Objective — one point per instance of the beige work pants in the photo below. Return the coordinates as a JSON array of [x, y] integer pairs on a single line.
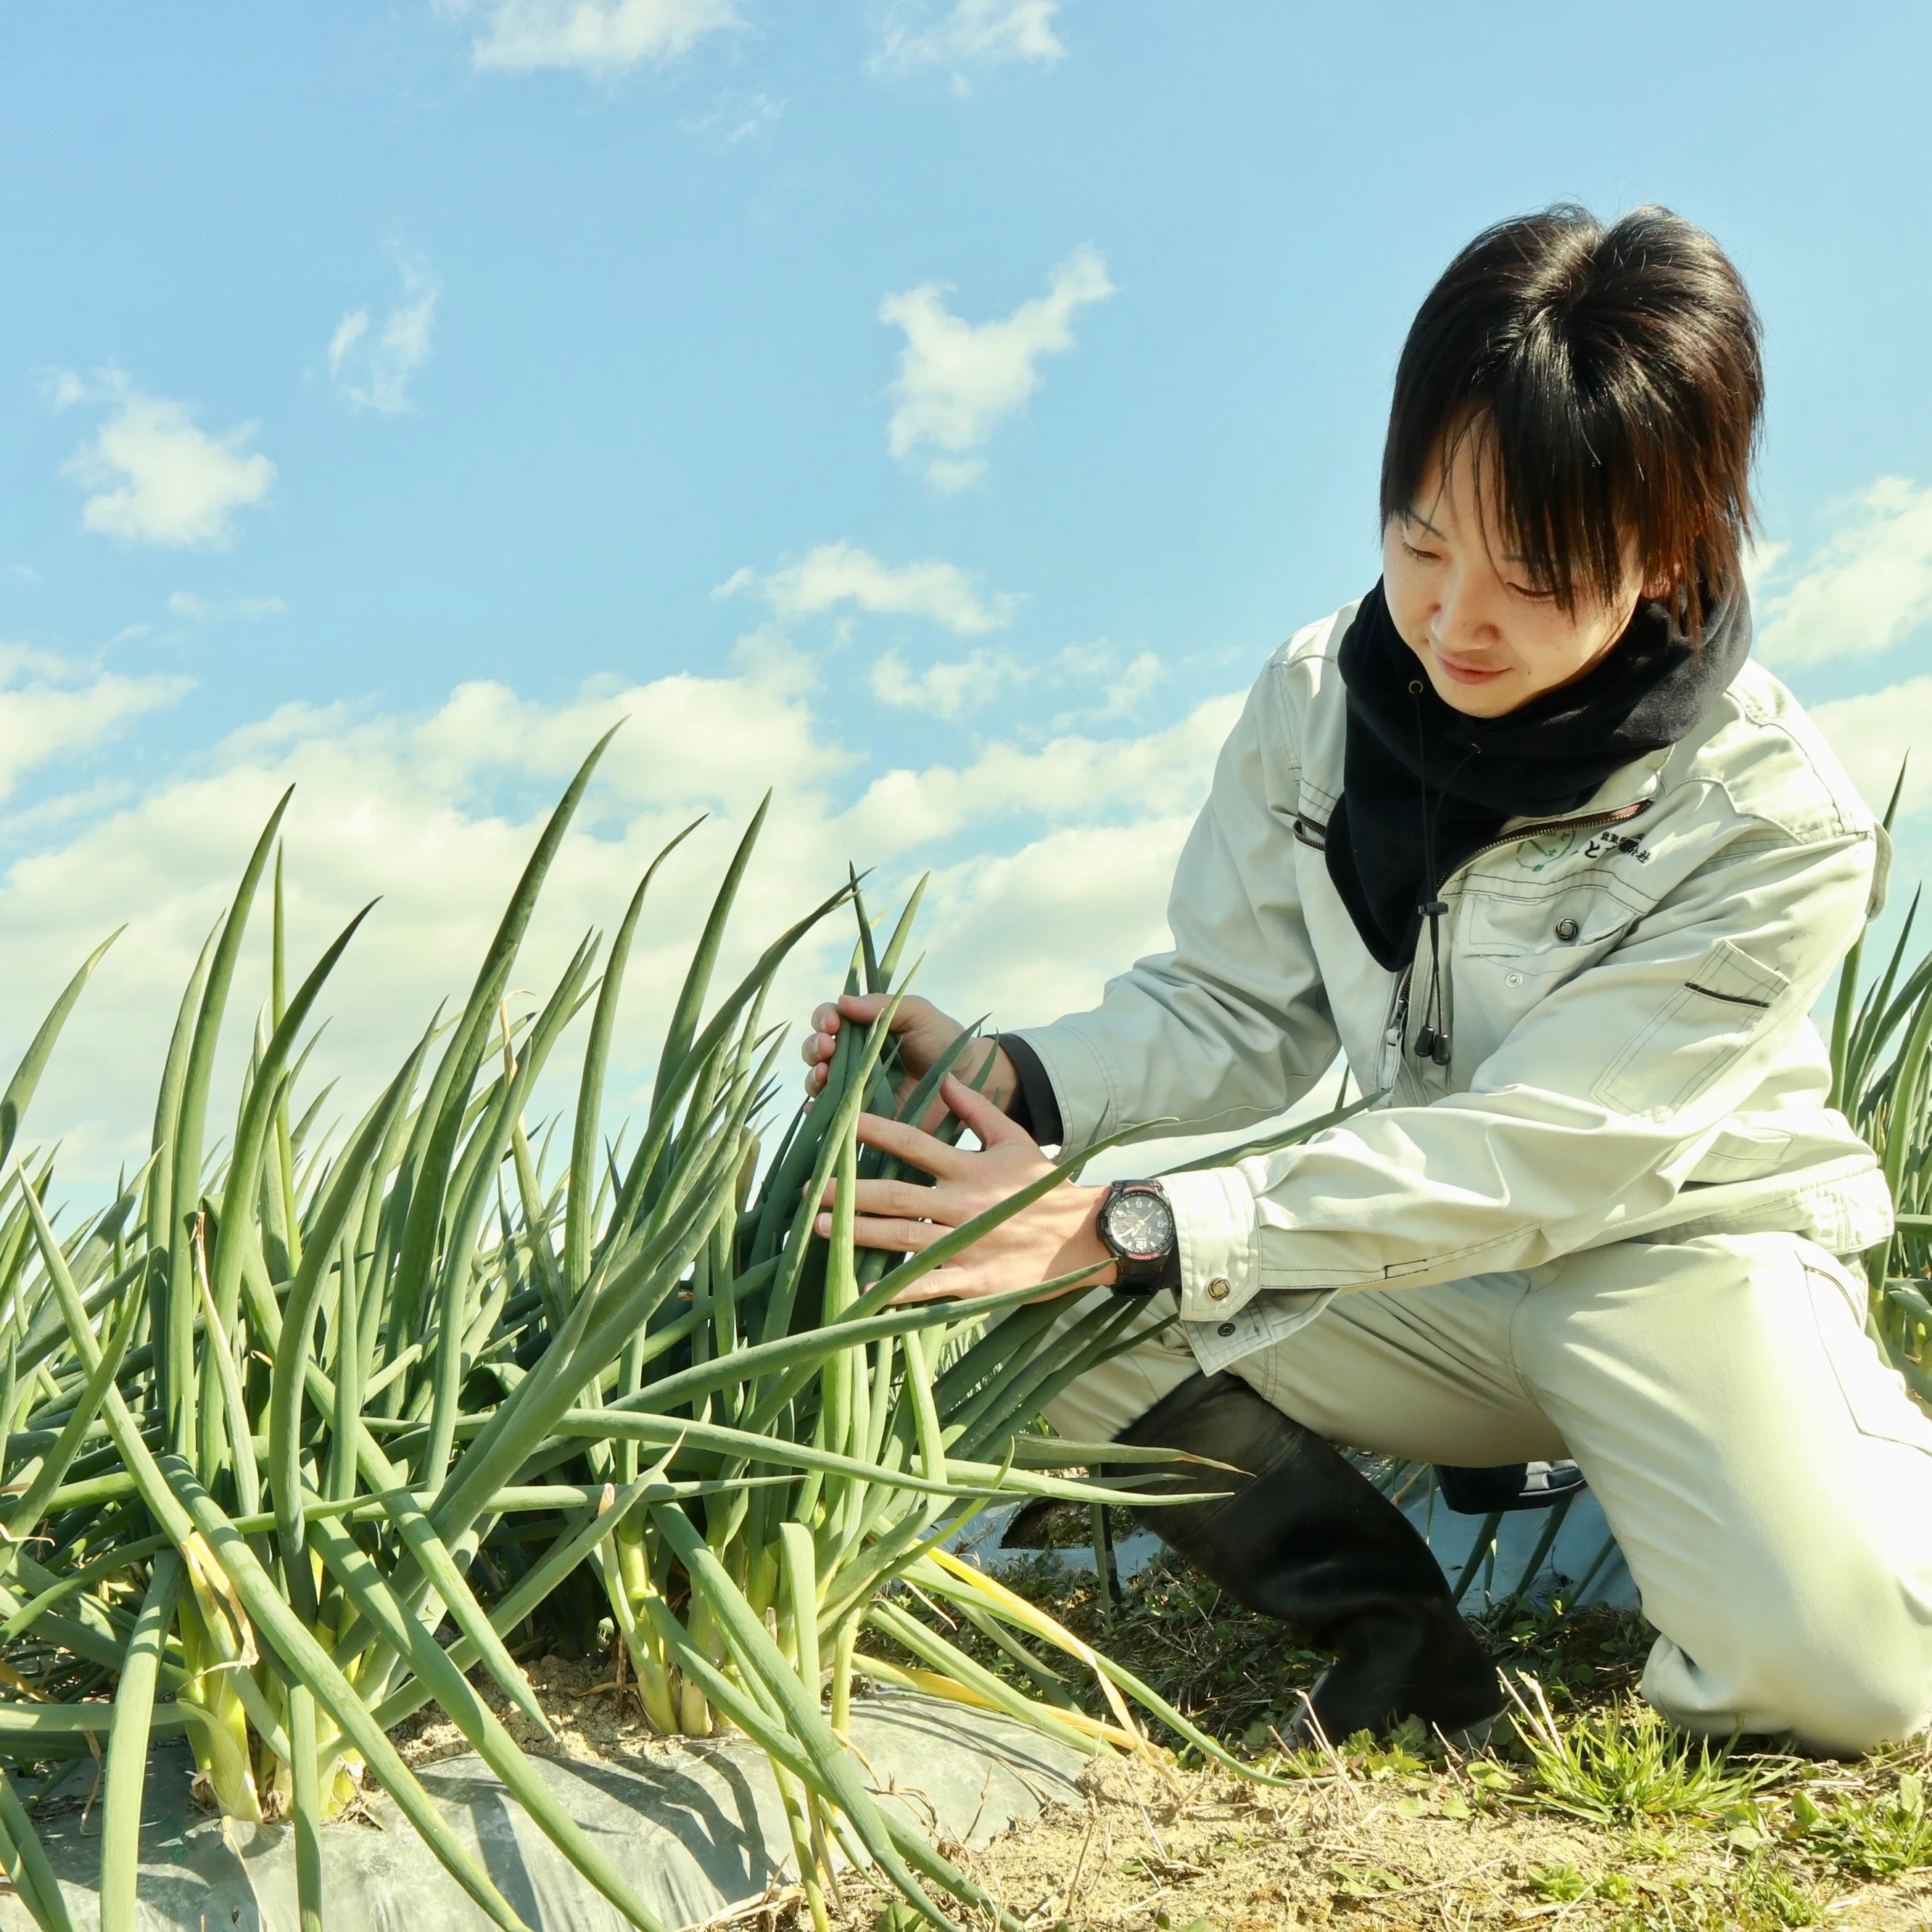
[[1769, 1478]]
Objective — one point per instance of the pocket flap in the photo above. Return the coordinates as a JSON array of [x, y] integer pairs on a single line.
[[1505, 925], [1701, 1025]]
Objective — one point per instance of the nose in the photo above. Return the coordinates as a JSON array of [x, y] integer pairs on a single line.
[[1464, 617]]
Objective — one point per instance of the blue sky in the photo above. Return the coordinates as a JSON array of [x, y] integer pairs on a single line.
[[935, 411]]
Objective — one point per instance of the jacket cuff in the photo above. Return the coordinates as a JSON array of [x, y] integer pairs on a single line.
[[1035, 1106], [1074, 1074], [1215, 1221]]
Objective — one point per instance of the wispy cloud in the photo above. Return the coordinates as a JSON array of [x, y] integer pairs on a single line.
[[958, 380], [372, 363], [52, 706], [837, 573], [198, 609], [602, 38], [1868, 587], [917, 35], [945, 690], [736, 116], [154, 476], [1109, 684]]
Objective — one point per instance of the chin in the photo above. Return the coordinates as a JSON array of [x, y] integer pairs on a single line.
[[1475, 700]]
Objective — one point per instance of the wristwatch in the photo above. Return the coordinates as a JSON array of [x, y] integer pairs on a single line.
[[1137, 1227]]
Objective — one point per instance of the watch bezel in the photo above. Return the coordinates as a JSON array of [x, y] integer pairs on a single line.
[[1118, 1248], [1139, 1274]]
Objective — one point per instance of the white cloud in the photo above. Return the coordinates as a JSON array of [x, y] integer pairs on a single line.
[[841, 573], [52, 706], [958, 380], [436, 813], [1880, 734], [946, 690], [203, 610], [600, 38], [1865, 589], [156, 478], [1116, 690], [1107, 687], [373, 370], [917, 35], [1069, 778]]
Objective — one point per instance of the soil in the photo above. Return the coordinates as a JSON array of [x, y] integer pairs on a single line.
[[1408, 1836], [1212, 1851]]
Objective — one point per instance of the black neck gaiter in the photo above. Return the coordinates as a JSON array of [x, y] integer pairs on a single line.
[[1422, 782]]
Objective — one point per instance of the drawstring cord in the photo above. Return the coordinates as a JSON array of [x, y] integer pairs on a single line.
[[1432, 1042]]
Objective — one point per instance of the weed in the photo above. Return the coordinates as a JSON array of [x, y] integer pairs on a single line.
[[1875, 1835], [1565, 1883], [1770, 1895], [1622, 1765]]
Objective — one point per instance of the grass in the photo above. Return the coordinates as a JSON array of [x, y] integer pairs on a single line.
[[1587, 1804]]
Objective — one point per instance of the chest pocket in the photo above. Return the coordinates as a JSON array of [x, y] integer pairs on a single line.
[[1539, 933], [1701, 1027]]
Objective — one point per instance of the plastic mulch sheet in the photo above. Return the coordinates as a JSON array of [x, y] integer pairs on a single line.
[[698, 1831]]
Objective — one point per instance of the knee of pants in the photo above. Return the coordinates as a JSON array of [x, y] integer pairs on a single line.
[[1851, 1703], [1842, 1694]]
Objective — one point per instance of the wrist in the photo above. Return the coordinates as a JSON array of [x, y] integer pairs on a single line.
[[1001, 1080], [1087, 1245]]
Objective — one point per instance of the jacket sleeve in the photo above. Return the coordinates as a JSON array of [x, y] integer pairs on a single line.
[[1586, 1120], [1233, 1025]]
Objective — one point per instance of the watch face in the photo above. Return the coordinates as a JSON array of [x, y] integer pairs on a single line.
[[1140, 1226]]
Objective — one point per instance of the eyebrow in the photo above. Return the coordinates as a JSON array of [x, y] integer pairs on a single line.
[[1416, 517]]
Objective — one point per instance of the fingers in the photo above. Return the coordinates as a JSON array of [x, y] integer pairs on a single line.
[[986, 1120], [902, 1198], [919, 1149], [817, 1047], [879, 1231]]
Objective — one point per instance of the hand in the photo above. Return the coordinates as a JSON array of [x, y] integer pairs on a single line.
[[923, 1034], [1052, 1236]]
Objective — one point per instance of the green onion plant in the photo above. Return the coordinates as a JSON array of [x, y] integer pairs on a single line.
[[1882, 1078], [303, 1431]]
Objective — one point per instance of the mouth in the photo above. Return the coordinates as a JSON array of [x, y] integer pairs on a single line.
[[1464, 670]]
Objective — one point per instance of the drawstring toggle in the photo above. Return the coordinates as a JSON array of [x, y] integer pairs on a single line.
[[1432, 1042]]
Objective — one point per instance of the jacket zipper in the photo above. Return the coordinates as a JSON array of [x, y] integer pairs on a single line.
[[1590, 821], [1312, 831]]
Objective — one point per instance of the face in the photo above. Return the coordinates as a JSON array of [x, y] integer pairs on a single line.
[[1488, 639]]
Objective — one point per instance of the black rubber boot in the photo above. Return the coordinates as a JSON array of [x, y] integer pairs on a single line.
[[1310, 1539]]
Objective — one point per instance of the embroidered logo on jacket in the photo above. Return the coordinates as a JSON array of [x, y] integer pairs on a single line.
[[1533, 854], [1602, 844]]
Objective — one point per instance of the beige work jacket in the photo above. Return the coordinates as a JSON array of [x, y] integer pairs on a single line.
[[1628, 992]]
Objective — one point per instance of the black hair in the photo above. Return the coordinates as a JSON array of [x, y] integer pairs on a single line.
[[1612, 381]]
